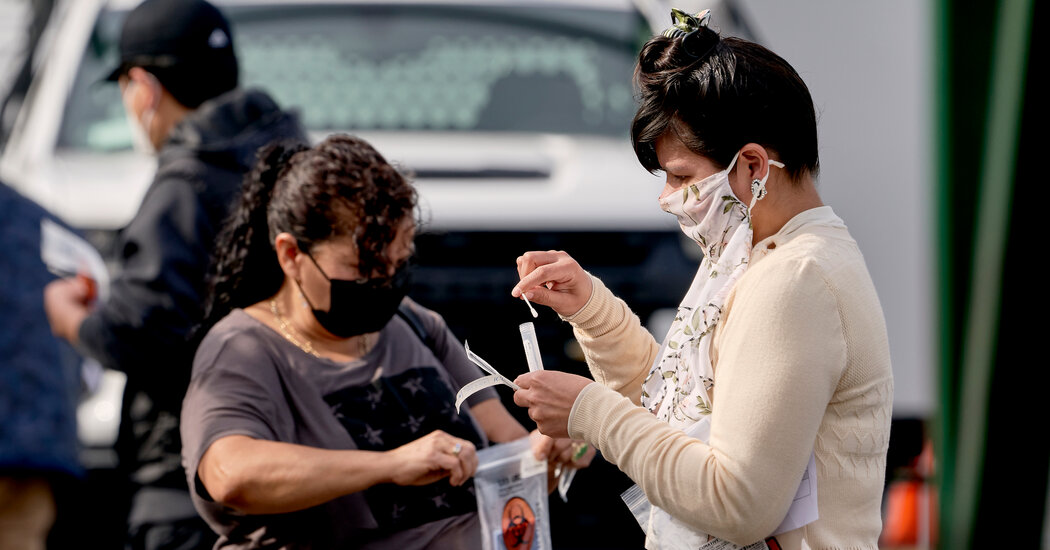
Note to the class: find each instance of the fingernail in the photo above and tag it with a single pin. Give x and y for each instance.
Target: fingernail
(515, 292)
(529, 295)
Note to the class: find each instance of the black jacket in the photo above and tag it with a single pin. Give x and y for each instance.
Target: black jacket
(164, 252)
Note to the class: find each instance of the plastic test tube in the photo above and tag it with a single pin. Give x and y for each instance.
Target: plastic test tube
(532, 347)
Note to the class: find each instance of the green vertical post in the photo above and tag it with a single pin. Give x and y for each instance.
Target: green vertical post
(999, 158)
(963, 446)
(944, 430)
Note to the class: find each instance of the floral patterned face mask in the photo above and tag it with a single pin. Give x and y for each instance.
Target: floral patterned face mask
(708, 211)
(678, 388)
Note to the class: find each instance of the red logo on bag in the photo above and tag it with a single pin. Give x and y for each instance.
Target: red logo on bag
(519, 524)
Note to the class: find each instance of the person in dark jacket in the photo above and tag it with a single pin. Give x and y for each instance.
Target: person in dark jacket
(178, 78)
(38, 446)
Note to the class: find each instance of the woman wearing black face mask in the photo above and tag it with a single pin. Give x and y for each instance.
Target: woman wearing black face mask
(318, 415)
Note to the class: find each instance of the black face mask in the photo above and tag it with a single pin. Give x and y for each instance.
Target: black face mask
(361, 307)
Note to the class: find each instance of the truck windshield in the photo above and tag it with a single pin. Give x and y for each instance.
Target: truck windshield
(453, 68)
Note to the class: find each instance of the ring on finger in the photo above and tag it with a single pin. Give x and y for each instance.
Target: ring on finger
(457, 448)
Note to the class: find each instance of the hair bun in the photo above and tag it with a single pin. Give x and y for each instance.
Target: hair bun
(699, 43)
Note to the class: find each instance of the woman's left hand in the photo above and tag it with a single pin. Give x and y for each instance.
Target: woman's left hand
(572, 453)
(549, 395)
(560, 455)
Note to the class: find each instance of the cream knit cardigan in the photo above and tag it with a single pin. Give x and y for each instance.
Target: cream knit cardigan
(801, 363)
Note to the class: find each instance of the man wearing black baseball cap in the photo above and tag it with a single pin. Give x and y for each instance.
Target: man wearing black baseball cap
(178, 78)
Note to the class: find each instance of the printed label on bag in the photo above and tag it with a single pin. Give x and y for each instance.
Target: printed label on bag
(532, 467)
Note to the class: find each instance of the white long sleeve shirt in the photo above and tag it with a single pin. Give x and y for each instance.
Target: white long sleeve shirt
(802, 365)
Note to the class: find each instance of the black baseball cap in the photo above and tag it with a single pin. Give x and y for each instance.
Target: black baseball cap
(186, 44)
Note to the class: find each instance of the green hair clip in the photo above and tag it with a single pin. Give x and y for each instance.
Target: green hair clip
(682, 23)
(687, 28)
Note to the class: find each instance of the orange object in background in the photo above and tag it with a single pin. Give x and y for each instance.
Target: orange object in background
(910, 519)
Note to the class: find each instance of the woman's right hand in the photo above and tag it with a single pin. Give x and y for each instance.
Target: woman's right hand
(554, 279)
(432, 457)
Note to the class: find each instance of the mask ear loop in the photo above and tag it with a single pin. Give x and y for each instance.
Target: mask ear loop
(318, 266)
(150, 112)
(732, 163)
(303, 300)
(302, 295)
(758, 186)
(142, 125)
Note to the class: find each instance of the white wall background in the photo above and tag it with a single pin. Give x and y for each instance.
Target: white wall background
(868, 67)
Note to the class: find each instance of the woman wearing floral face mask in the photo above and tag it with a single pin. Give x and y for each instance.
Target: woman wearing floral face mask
(321, 409)
(778, 354)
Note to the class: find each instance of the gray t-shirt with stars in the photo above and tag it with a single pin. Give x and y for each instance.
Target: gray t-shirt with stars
(249, 380)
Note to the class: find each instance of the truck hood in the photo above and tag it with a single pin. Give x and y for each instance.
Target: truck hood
(470, 182)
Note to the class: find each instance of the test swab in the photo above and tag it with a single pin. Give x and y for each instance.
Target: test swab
(532, 309)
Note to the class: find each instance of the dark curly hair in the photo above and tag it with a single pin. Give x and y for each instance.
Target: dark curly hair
(732, 93)
(342, 187)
